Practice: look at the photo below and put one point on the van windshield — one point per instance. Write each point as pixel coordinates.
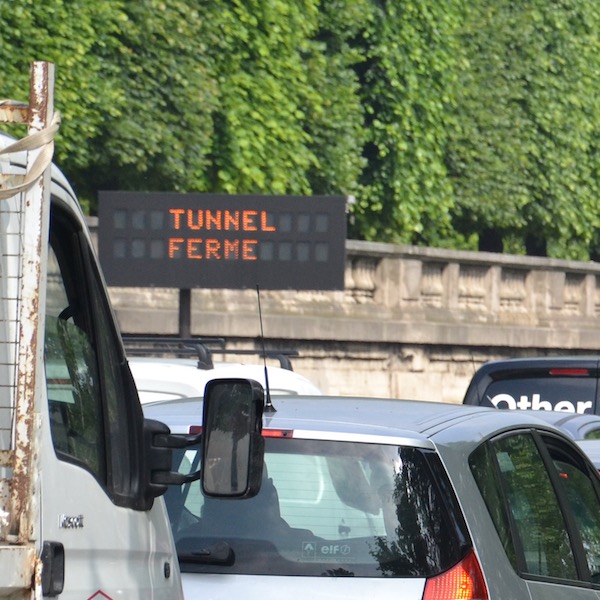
(325, 509)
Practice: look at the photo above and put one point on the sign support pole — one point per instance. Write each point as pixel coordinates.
(185, 313)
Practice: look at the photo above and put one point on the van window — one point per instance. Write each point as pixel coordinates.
(93, 417)
(74, 396)
(325, 508)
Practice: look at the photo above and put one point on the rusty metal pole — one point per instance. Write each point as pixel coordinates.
(36, 211)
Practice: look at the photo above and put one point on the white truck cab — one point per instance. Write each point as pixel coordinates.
(80, 512)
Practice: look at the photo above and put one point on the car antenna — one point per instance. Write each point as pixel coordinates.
(475, 371)
(268, 405)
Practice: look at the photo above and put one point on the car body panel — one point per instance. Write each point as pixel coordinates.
(251, 587)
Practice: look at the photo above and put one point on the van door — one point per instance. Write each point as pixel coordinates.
(98, 541)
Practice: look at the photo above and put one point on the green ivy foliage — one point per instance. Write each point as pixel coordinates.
(454, 123)
(87, 92)
(261, 144)
(134, 94)
(161, 137)
(289, 116)
(525, 158)
(408, 85)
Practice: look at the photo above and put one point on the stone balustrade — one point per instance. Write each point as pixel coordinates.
(492, 299)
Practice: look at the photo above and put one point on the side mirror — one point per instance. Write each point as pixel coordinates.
(232, 444)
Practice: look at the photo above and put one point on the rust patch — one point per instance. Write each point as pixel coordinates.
(13, 112)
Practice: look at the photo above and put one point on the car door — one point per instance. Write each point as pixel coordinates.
(551, 517)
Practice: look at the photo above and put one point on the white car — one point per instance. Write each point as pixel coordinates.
(172, 378)
(365, 498)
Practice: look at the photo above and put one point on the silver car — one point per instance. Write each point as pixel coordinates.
(366, 498)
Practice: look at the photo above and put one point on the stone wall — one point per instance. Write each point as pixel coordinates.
(411, 322)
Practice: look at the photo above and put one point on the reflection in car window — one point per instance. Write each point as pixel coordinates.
(534, 508)
(484, 470)
(71, 379)
(93, 420)
(512, 469)
(583, 501)
(325, 508)
(594, 434)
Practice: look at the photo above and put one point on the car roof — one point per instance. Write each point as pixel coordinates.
(577, 425)
(172, 378)
(412, 422)
(519, 365)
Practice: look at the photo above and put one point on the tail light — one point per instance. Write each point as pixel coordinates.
(571, 372)
(462, 582)
(277, 433)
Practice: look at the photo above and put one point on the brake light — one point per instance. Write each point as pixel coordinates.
(462, 582)
(569, 372)
(278, 433)
(273, 433)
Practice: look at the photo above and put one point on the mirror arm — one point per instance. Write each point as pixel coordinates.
(174, 478)
(171, 441)
(159, 443)
(176, 440)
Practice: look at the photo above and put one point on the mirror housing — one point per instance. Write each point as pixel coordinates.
(232, 442)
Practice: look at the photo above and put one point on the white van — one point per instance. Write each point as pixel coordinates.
(81, 470)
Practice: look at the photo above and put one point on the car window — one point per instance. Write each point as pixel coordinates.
(593, 434)
(326, 508)
(534, 508)
(544, 502)
(581, 495)
(484, 468)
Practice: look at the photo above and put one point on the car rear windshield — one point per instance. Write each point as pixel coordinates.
(325, 509)
(550, 392)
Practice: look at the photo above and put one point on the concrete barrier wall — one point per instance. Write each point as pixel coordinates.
(411, 322)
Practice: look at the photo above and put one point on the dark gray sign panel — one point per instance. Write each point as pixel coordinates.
(220, 241)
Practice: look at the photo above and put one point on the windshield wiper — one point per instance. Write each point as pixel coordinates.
(219, 553)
